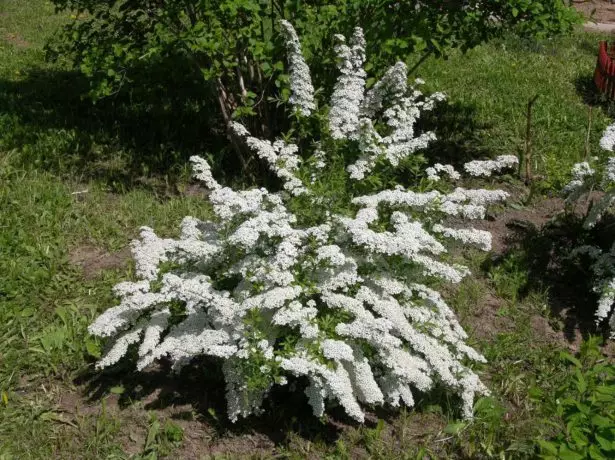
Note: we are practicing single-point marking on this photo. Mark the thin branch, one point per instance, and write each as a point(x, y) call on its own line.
point(528, 141)
point(421, 61)
point(589, 130)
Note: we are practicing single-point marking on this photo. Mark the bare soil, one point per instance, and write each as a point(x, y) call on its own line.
point(602, 11)
point(93, 260)
point(484, 322)
point(504, 227)
point(16, 40)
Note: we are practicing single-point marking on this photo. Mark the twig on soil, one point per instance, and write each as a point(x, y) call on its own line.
point(444, 439)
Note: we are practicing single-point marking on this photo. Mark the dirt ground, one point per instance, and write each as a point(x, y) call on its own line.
point(602, 11)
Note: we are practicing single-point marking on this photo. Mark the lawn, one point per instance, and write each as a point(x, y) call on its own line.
point(77, 181)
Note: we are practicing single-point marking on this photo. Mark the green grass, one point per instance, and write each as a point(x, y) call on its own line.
point(53, 144)
point(490, 87)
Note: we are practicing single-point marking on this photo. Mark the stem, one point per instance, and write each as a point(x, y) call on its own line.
point(589, 130)
point(226, 108)
point(528, 141)
point(428, 53)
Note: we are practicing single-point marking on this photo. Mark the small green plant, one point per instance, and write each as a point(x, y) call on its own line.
point(161, 439)
point(510, 277)
point(583, 409)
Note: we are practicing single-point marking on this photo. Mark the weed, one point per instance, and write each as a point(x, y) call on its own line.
point(584, 408)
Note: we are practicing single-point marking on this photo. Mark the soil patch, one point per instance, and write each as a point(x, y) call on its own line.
point(506, 227)
point(602, 11)
point(16, 40)
point(485, 322)
point(93, 260)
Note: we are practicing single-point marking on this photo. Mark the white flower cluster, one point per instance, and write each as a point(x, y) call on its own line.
point(302, 90)
point(281, 158)
point(433, 172)
point(488, 167)
point(349, 90)
point(607, 142)
point(584, 180)
point(354, 111)
point(343, 302)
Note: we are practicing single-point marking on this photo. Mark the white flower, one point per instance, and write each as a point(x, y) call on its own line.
point(281, 157)
point(400, 115)
point(302, 96)
point(202, 171)
point(349, 90)
point(479, 238)
point(584, 179)
point(487, 168)
point(607, 142)
point(609, 173)
point(449, 170)
point(274, 290)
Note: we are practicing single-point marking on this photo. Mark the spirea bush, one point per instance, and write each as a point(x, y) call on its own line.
point(290, 284)
point(585, 179)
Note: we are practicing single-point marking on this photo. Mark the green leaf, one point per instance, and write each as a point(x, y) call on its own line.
point(547, 447)
point(568, 357)
point(565, 453)
point(580, 381)
point(605, 444)
point(601, 422)
point(595, 453)
point(606, 390)
point(93, 348)
point(173, 432)
point(27, 312)
point(579, 437)
point(117, 390)
point(454, 428)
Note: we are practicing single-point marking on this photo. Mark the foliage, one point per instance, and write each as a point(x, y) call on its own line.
point(583, 409)
point(160, 439)
point(232, 44)
point(437, 27)
point(300, 283)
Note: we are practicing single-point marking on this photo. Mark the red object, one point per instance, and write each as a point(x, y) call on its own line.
point(604, 76)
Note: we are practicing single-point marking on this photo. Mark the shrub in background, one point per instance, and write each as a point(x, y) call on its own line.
point(232, 45)
point(317, 282)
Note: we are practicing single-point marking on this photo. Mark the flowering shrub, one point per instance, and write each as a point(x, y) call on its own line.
point(279, 286)
point(585, 178)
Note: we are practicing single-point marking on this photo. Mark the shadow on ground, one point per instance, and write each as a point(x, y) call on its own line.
point(538, 259)
point(149, 130)
point(586, 88)
point(200, 389)
point(197, 395)
point(459, 134)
